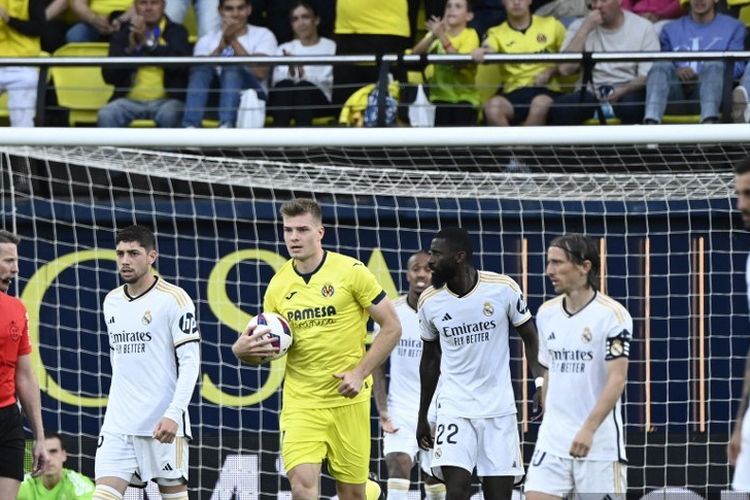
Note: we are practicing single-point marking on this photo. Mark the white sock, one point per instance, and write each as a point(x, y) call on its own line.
point(435, 491)
point(104, 492)
point(398, 489)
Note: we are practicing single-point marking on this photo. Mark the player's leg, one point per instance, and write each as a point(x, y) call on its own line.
point(549, 477)
point(399, 449)
point(399, 466)
point(599, 478)
point(499, 459)
point(349, 449)
point(12, 444)
point(304, 480)
point(498, 487)
point(304, 433)
point(433, 488)
point(164, 463)
point(115, 466)
point(457, 482)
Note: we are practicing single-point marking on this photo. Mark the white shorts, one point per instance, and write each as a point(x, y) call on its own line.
point(404, 440)
point(139, 459)
point(741, 479)
point(489, 444)
point(560, 476)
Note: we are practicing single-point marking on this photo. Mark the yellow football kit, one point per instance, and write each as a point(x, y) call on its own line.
point(327, 311)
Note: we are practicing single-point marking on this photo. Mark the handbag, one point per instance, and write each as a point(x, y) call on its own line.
point(252, 111)
point(421, 111)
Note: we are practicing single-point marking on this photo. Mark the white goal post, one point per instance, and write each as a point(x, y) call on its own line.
point(658, 198)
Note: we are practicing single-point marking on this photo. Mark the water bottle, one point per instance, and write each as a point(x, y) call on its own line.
point(605, 92)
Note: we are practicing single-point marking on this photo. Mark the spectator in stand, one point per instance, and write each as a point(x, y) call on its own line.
point(235, 39)
point(98, 19)
point(367, 27)
point(53, 36)
point(703, 29)
point(302, 92)
point(146, 92)
point(56, 482)
point(659, 12)
point(21, 25)
point(527, 90)
point(566, 11)
point(206, 14)
point(452, 87)
point(617, 88)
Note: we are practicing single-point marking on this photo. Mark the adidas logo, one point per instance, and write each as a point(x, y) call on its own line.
point(447, 317)
point(551, 336)
point(167, 467)
point(111, 320)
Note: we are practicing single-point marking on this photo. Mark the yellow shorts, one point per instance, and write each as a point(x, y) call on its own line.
point(341, 434)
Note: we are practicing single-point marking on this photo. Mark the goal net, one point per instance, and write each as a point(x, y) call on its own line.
point(660, 205)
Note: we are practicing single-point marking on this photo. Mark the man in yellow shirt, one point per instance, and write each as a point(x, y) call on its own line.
point(147, 92)
point(21, 24)
point(327, 298)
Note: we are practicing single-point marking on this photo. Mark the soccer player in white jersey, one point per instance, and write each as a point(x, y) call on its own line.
point(398, 405)
point(155, 356)
point(467, 315)
point(584, 339)
point(738, 450)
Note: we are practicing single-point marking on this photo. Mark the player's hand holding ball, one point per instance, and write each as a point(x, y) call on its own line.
point(266, 337)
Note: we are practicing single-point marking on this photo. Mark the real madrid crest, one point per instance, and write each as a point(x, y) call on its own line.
point(488, 310)
point(615, 348)
point(586, 335)
point(327, 290)
point(146, 319)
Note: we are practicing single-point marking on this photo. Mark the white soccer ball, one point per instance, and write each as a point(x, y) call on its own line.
point(280, 332)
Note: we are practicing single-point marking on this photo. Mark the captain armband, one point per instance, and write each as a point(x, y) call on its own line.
point(617, 346)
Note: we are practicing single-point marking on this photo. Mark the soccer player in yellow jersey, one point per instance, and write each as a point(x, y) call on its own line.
point(528, 89)
point(326, 297)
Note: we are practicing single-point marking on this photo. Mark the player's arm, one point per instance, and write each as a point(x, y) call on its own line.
point(380, 394)
point(735, 442)
point(530, 338)
point(429, 374)
point(390, 332)
point(186, 339)
point(617, 375)
point(27, 390)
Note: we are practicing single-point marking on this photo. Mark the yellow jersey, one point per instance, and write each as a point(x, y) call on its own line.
point(455, 83)
point(544, 35)
point(327, 311)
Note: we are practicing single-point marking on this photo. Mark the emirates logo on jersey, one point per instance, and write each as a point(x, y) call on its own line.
point(146, 319)
point(14, 331)
point(586, 335)
point(327, 290)
point(488, 310)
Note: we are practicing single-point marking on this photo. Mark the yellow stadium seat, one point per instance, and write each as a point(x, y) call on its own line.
point(81, 90)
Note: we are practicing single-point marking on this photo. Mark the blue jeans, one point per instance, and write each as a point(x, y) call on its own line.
point(663, 86)
point(231, 82)
point(82, 32)
point(120, 112)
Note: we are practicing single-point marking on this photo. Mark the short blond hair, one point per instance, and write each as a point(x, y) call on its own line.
point(8, 237)
point(300, 206)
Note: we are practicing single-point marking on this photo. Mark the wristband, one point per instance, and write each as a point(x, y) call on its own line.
point(538, 382)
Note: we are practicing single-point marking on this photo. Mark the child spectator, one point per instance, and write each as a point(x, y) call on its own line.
point(452, 87)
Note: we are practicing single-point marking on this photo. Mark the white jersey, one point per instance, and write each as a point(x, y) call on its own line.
point(576, 349)
point(144, 334)
point(404, 386)
point(473, 332)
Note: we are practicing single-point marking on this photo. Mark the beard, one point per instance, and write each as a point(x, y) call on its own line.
point(441, 276)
